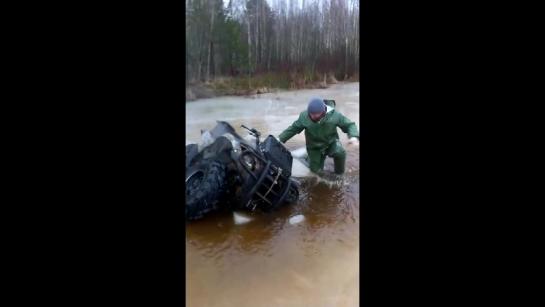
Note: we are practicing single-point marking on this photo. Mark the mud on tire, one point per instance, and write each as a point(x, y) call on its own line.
point(204, 189)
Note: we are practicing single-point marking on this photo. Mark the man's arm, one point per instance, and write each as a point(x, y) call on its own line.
point(348, 127)
point(292, 130)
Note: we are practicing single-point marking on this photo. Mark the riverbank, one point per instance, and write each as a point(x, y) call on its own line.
point(261, 84)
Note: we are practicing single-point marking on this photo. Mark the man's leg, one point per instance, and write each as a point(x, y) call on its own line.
point(337, 152)
point(316, 160)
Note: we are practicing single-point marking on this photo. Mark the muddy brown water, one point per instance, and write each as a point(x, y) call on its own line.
point(268, 261)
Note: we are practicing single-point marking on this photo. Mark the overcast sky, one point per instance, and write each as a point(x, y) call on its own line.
point(226, 2)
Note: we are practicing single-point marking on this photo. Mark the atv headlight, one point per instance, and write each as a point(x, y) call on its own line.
point(249, 161)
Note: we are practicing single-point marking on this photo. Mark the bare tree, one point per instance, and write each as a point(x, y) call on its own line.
point(277, 35)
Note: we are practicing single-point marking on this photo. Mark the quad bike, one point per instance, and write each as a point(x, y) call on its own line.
point(230, 173)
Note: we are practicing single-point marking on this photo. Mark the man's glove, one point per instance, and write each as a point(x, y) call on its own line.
point(353, 141)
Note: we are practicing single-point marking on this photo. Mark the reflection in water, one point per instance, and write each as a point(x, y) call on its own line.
point(269, 261)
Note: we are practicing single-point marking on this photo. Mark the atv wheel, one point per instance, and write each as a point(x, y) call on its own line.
point(204, 189)
point(191, 151)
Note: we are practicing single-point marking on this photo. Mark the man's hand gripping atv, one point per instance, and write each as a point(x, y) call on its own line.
point(230, 173)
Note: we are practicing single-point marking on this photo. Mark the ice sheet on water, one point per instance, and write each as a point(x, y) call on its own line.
point(299, 153)
point(299, 170)
point(296, 219)
point(241, 218)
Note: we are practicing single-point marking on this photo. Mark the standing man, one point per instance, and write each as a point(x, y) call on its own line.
point(320, 122)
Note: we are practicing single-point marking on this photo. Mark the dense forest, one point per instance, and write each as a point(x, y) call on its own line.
point(249, 38)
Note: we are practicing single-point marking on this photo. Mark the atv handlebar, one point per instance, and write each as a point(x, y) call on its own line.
point(252, 130)
point(255, 133)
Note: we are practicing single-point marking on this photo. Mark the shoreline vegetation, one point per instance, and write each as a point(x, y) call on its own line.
point(261, 84)
point(247, 47)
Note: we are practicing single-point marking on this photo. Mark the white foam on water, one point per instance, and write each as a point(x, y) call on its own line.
point(329, 183)
point(296, 219)
point(335, 183)
point(240, 218)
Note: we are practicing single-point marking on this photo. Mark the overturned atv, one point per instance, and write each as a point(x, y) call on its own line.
point(230, 173)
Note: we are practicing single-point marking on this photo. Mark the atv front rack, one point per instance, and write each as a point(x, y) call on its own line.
point(271, 184)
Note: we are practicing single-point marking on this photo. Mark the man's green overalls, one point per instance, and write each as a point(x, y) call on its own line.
point(321, 137)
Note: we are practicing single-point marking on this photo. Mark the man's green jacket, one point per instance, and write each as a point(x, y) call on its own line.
point(319, 135)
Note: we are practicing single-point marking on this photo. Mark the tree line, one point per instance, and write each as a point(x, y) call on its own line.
point(248, 37)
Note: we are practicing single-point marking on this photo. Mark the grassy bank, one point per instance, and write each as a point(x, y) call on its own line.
point(261, 83)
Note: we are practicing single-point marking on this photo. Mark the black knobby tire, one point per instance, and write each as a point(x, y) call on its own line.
point(191, 151)
point(204, 189)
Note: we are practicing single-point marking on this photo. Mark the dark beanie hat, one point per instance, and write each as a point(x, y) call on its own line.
point(316, 105)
